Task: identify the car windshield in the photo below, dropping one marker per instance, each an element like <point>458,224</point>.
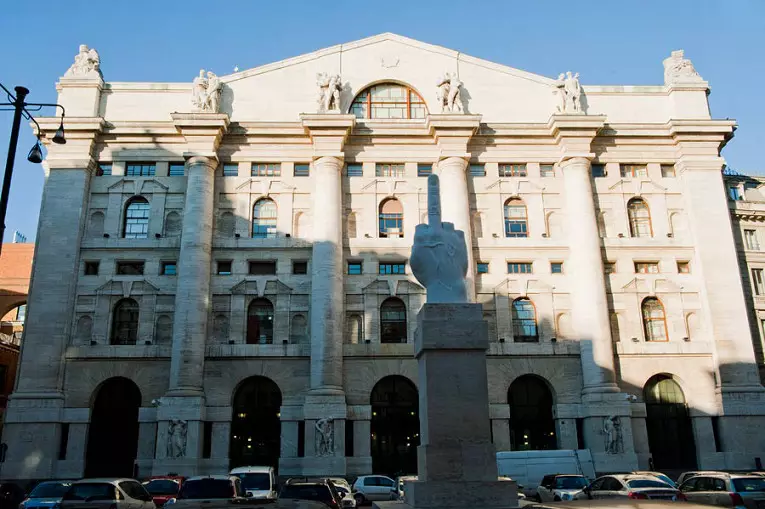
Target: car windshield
<point>570,483</point>
<point>746,484</point>
<point>162,487</point>
<point>307,492</point>
<point>665,479</point>
<point>207,488</point>
<point>50,490</point>
<point>91,491</point>
<point>255,481</point>
<point>647,483</point>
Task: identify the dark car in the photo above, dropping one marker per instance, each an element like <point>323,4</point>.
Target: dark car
<point>163,488</point>
<point>318,490</point>
<point>206,488</point>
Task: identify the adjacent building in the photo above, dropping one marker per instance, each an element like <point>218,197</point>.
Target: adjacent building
<point>221,275</point>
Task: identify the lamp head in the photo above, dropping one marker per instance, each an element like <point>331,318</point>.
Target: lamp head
<point>35,155</point>
<point>59,138</point>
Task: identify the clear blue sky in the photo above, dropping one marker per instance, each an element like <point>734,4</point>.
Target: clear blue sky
<point>607,42</point>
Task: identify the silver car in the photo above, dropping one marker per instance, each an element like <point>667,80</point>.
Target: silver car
<point>637,487</point>
<point>107,494</point>
<point>726,490</point>
<point>46,494</point>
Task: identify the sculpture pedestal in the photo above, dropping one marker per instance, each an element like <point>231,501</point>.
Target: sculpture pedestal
<point>457,465</point>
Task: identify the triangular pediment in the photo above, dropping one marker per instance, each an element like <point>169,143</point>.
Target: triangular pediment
<point>515,186</point>
<point>138,186</point>
<point>265,187</point>
<point>379,286</point>
<point>406,286</point>
<point>127,287</point>
<point>637,187</point>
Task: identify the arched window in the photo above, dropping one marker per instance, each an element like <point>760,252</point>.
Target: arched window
<point>524,321</point>
<point>640,218</point>
<point>393,321</point>
<point>654,321</point>
<point>264,219</point>
<point>565,329</point>
<point>260,322</point>
<point>516,224</point>
<point>531,425</point>
<point>136,224</point>
<point>173,224</point>
<point>391,218</point>
<point>388,100</point>
<point>302,225</point>
<point>125,323</point>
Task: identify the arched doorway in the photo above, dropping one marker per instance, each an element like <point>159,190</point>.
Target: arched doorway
<point>395,426</point>
<point>532,426</point>
<point>113,431</point>
<point>255,424</point>
<point>670,434</point>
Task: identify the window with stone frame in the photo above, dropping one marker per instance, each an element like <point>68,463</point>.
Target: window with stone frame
<point>646,267</point>
<point>388,101</point>
<point>633,170</point>
<point>125,322</point>
<point>639,218</point>
<point>516,221</point>
<point>266,170</point>
<point>389,169</point>
<point>393,321</point>
<point>524,321</point>
<point>758,283</point>
<point>654,320</point>
<point>546,170</point>
<point>751,240</point>
<point>391,218</point>
<point>136,223</point>
<point>140,169</point>
<point>512,170</point>
<point>264,219</point>
<point>260,322</point>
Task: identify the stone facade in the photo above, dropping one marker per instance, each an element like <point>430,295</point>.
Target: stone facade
<point>570,199</point>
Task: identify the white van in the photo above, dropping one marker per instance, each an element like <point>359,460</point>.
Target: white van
<point>527,468</point>
<point>258,482</point>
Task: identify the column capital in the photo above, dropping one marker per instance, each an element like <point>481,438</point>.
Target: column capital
<point>210,162</point>
<point>452,133</point>
<point>81,136</point>
<point>577,160</point>
<point>203,132</point>
<point>328,132</point>
<point>574,134</point>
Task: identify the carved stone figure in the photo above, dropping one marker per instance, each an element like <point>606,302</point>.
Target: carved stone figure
<point>612,432</point>
<point>439,257</point>
<point>325,437</point>
<point>329,92</point>
<point>449,94</point>
<point>205,93</point>
<point>678,69</point>
<point>87,63</point>
<point>569,93</point>
<point>177,430</point>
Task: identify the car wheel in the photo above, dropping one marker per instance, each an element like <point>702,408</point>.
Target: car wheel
<point>359,499</point>
<point>556,499</point>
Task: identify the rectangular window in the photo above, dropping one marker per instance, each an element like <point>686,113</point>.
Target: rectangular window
<point>231,170</point>
<point>683,267</point>
<point>668,171</point>
<point>299,267</point>
<point>207,432</point>
<point>176,170</point>
<point>91,268</point>
<point>716,433</point>
<point>392,268</point>
<point>130,268</point>
<point>390,169</point>
<point>423,170</point>
<point>556,267</point>
<point>104,169</point>
<point>354,268</point>
<point>512,170</point>
<point>224,268</point>
<point>735,194</point>
<point>63,442</point>
<point>140,169</point>
<point>546,170</point>
<point>598,170</point>
<point>477,170</point>
<point>266,170</point>
<point>482,268</point>
<point>301,439</point>
<point>757,282</point>
<point>262,268</point>
<point>302,170</point>
<point>609,267</point>
<point>752,242</point>
<point>168,269</point>
<point>519,268</point>
<point>633,170</point>
<point>354,170</point>
<point>646,267</point>
<point>349,438</point>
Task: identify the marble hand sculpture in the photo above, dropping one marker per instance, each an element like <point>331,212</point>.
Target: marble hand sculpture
<point>439,258</point>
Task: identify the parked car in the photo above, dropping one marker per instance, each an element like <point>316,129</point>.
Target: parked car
<point>258,482</point>
<point>45,494</point>
<point>369,488</point>
<point>340,482</point>
<point>687,475</point>
<point>397,492</point>
<point>107,494</point>
<point>208,488</point>
<point>617,503</point>
<point>660,476</point>
<point>726,490</point>
<point>163,488</point>
<point>638,487</point>
<point>557,487</point>
<point>319,490</point>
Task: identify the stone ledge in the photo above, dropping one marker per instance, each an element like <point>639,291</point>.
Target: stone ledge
<point>158,352</point>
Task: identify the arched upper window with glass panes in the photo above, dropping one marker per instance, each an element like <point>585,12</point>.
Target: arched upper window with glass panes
<point>264,219</point>
<point>389,101</point>
<point>516,224</point>
<point>136,225</point>
<point>640,218</point>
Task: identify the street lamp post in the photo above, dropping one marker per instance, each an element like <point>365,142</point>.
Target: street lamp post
<point>20,109</point>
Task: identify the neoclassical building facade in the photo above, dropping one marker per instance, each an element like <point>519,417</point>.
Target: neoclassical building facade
<point>221,270</point>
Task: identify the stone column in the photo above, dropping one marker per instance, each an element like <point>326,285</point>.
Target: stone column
<point>327,276</point>
<point>588,286</point>
<point>454,192</point>
<point>192,298</point>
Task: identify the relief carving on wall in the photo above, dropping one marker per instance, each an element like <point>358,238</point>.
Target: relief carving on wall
<point>612,433</point>
<point>325,437</point>
<point>177,429</point>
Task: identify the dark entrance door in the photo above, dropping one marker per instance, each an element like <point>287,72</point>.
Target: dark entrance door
<point>531,420</point>
<point>255,426</point>
<point>395,426</point>
<point>670,434</point>
<point>113,431</point>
